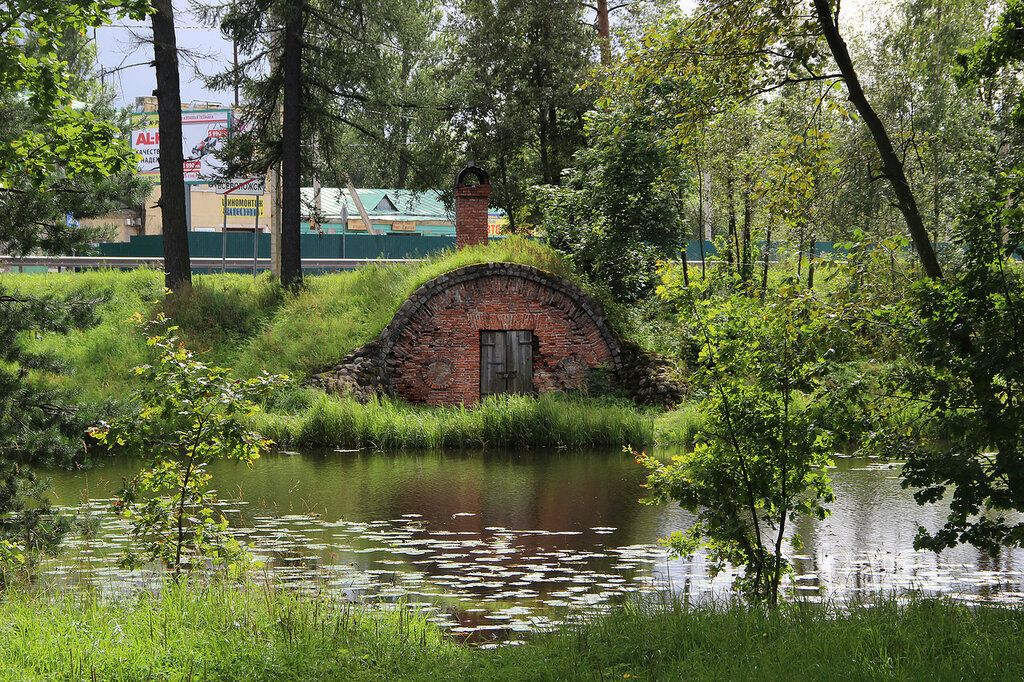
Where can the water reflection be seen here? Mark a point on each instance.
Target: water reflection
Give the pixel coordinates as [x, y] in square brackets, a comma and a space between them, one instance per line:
[511, 541]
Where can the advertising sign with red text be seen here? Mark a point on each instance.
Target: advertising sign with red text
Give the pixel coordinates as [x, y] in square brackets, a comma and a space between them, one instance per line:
[202, 133]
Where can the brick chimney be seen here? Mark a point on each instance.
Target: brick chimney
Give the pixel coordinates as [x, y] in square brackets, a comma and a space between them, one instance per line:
[471, 207]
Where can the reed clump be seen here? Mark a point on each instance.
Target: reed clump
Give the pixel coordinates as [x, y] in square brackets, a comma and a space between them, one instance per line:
[552, 420]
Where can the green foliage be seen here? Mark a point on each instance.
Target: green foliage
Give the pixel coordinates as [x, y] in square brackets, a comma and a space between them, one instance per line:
[519, 68]
[188, 415]
[56, 158]
[1001, 48]
[38, 425]
[509, 421]
[760, 461]
[617, 215]
[968, 375]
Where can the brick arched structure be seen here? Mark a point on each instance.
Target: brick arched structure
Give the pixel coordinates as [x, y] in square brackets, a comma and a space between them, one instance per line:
[432, 349]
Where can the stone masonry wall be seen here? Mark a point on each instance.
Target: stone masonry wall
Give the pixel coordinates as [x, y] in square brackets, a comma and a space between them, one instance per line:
[430, 352]
[434, 356]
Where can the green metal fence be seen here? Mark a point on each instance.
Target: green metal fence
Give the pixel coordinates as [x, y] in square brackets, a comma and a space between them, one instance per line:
[239, 245]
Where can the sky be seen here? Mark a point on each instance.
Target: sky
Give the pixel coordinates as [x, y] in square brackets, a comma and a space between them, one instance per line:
[118, 46]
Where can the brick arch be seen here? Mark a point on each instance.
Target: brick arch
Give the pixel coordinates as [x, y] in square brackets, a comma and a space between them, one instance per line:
[430, 350]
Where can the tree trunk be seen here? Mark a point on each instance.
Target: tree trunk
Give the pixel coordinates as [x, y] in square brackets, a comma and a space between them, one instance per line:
[177, 265]
[799, 252]
[892, 167]
[767, 252]
[403, 125]
[291, 152]
[542, 138]
[554, 146]
[810, 261]
[700, 221]
[604, 32]
[686, 266]
[748, 217]
[731, 238]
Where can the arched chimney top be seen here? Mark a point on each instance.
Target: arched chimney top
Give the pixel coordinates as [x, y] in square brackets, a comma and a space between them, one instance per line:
[480, 173]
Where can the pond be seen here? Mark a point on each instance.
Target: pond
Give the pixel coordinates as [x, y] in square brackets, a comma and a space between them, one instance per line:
[502, 541]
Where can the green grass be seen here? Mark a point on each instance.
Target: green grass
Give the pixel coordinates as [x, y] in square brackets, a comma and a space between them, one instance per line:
[253, 325]
[256, 632]
[885, 640]
[336, 314]
[211, 633]
[678, 426]
[249, 325]
[551, 420]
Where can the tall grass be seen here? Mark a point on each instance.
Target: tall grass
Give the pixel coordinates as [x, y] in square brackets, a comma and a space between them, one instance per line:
[255, 632]
[217, 632]
[882, 640]
[679, 426]
[498, 421]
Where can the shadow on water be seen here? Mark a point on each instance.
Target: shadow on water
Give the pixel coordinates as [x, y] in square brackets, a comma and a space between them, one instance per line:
[500, 542]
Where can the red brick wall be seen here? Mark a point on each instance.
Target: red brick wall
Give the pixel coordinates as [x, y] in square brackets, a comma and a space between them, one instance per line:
[471, 215]
[431, 352]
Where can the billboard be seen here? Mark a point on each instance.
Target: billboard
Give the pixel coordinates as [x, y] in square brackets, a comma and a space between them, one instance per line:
[202, 133]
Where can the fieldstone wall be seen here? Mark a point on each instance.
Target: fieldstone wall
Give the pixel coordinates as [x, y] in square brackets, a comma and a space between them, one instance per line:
[430, 352]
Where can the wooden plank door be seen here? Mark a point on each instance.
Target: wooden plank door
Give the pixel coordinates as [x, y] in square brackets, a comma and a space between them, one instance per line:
[492, 363]
[506, 362]
[519, 361]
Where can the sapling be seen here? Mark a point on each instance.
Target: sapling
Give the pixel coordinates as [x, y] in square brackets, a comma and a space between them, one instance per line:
[188, 415]
[760, 460]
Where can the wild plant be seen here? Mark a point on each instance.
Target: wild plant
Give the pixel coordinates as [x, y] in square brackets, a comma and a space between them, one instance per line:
[187, 415]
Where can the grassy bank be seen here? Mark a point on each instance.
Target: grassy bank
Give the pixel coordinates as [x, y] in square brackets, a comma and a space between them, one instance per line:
[258, 633]
[252, 325]
[499, 421]
[249, 325]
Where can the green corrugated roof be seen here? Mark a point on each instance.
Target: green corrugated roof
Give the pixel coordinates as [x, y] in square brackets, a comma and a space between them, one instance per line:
[412, 206]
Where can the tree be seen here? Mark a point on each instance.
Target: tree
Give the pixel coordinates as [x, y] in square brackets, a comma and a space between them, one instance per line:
[57, 158]
[177, 264]
[521, 70]
[37, 425]
[618, 212]
[402, 137]
[967, 377]
[735, 51]
[892, 165]
[761, 459]
[187, 415]
[968, 369]
[331, 70]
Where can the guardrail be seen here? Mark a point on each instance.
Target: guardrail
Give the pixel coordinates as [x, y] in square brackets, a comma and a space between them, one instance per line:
[10, 264]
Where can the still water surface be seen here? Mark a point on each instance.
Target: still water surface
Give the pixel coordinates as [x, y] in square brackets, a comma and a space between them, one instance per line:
[517, 541]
